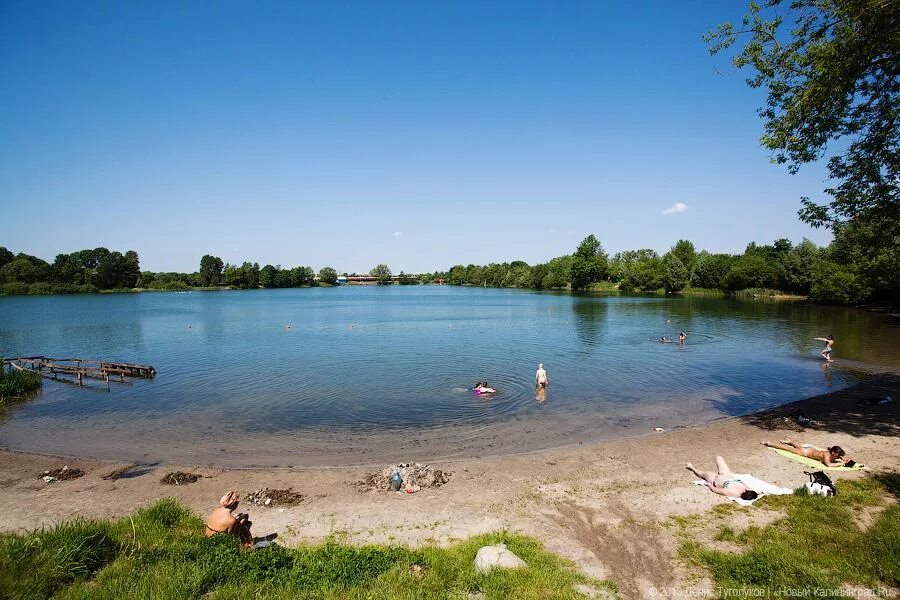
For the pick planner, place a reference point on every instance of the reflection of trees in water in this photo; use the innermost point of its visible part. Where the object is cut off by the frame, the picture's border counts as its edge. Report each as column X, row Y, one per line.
column 590, row 312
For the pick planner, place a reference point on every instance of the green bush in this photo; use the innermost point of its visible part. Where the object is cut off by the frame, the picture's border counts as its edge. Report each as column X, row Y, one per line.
column 41, row 288
column 14, row 288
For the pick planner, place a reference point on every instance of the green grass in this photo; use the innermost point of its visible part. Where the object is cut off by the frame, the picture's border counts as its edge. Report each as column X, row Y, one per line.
column 16, row 384
column 160, row 553
column 817, row 545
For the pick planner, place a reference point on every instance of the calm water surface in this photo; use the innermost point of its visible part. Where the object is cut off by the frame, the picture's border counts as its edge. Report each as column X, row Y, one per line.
column 367, row 374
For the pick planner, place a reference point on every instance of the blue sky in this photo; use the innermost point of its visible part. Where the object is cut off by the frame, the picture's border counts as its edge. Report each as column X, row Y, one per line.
column 347, row 134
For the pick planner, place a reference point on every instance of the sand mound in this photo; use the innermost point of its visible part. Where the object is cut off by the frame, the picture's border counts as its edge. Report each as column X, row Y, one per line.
column 414, row 475
column 267, row 497
column 179, row 478
column 62, row 474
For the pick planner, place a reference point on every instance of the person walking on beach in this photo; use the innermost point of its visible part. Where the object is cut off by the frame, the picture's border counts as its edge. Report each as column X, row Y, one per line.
column 829, row 344
column 540, row 377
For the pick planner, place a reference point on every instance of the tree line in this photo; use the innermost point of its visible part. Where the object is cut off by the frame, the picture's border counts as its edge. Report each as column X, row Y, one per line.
column 838, row 273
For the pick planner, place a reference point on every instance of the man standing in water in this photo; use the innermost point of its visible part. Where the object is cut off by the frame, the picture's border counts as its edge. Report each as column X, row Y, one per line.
column 540, row 377
column 829, row 344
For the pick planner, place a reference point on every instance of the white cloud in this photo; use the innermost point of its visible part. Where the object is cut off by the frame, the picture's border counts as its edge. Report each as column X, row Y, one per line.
column 678, row 207
column 398, row 233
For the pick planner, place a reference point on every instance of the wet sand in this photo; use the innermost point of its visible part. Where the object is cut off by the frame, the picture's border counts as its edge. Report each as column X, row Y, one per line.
column 606, row 506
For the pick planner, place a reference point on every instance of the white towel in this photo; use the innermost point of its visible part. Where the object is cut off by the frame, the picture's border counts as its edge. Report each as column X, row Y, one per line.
column 757, row 485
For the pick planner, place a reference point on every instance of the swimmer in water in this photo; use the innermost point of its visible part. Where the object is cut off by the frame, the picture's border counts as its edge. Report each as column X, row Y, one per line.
column 484, row 388
column 681, row 337
column 664, row 340
column 829, row 344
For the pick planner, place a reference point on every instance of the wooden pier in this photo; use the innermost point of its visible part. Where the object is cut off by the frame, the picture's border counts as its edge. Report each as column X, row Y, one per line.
column 76, row 371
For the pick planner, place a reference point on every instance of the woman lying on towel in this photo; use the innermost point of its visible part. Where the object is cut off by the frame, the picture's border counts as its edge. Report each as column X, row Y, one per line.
column 724, row 482
column 832, row 457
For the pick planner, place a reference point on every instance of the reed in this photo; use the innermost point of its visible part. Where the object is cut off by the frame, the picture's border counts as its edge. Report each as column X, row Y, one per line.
column 15, row 384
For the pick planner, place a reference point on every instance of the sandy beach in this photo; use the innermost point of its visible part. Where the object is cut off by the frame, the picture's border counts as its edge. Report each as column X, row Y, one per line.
column 606, row 506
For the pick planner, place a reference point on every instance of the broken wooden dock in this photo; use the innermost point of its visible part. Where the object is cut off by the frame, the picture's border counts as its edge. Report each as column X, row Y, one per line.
column 76, row 371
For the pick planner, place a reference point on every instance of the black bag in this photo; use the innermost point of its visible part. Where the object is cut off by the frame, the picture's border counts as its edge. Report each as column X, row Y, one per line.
column 822, row 479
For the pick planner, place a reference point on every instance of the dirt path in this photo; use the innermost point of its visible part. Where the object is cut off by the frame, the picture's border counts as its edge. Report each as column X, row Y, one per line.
column 607, row 507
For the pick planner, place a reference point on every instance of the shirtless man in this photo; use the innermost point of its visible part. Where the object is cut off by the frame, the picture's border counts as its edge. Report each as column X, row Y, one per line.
column 222, row 521
column 832, row 457
column 540, row 377
column 829, row 344
column 724, row 482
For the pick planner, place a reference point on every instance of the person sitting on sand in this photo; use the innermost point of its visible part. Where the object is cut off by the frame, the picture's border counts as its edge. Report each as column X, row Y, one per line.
column 724, row 482
column 222, row 521
column 832, row 457
column 829, row 344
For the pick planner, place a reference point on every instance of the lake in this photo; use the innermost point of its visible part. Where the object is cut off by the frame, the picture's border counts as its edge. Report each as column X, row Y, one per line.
column 359, row 375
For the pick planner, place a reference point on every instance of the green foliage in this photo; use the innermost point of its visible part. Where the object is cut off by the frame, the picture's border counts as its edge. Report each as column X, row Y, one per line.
column 817, row 544
column 589, row 263
column 328, row 275
column 835, row 284
column 831, row 77
column 685, row 252
column 382, row 273
column 711, row 270
column 5, row 256
column 675, row 275
column 211, row 268
column 16, row 384
column 639, row 270
column 160, row 553
column 750, row 271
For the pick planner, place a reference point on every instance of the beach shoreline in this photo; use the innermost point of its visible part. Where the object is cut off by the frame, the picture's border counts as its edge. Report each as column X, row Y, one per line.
column 603, row 505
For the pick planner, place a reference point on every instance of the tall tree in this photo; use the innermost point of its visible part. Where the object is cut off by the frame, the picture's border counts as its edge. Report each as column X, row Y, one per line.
column 211, row 270
column 589, row 263
column 328, row 275
column 685, row 252
column 833, row 83
column 382, row 273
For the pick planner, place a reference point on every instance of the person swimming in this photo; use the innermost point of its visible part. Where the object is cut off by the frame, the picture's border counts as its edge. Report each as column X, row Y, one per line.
column 681, row 337
column 665, row 340
column 482, row 387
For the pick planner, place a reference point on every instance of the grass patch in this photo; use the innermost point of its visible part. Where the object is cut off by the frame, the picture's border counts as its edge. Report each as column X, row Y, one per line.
column 15, row 384
column 817, row 545
column 160, row 552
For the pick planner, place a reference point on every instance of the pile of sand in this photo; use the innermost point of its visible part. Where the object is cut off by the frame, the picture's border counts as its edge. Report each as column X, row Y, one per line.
column 267, row 497
column 179, row 478
column 62, row 474
column 415, row 476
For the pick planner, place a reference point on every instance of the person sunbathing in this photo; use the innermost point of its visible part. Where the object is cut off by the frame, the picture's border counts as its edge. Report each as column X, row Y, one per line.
column 724, row 482
column 222, row 521
column 832, row 457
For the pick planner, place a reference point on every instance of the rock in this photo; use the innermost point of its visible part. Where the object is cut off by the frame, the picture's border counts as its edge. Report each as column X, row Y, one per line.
column 490, row 557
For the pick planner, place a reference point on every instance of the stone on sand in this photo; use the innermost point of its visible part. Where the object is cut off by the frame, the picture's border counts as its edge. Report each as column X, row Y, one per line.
column 490, row 557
